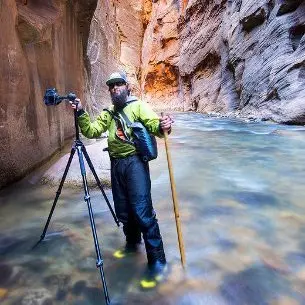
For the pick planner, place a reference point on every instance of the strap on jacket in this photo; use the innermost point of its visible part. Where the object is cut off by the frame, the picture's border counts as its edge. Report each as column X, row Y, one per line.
column 123, row 121
column 125, row 117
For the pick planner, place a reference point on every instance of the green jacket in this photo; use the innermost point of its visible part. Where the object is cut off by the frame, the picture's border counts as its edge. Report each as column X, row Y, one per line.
column 136, row 111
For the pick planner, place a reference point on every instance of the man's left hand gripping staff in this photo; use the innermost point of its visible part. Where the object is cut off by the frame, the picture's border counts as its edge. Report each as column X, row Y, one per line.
column 166, row 122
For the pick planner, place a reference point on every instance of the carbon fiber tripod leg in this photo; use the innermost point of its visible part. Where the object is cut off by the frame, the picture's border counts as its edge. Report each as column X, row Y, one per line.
column 99, row 261
column 57, row 196
column 99, row 183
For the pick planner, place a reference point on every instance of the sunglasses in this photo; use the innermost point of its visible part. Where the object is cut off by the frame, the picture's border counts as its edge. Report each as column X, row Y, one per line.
column 118, row 84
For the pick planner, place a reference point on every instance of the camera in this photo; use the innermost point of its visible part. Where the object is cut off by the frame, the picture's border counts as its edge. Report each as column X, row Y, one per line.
column 52, row 98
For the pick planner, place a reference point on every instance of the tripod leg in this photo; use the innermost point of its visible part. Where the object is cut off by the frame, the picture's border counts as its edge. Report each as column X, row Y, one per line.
column 99, row 184
column 99, row 261
column 57, row 196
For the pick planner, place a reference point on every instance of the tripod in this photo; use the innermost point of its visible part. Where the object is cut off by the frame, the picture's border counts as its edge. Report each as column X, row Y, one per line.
column 81, row 151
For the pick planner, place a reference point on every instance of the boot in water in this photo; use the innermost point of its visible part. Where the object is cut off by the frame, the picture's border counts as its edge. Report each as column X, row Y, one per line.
column 154, row 274
column 128, row 250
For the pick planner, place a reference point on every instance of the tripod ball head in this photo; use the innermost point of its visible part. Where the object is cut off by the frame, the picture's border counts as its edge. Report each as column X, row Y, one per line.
column 52, row 98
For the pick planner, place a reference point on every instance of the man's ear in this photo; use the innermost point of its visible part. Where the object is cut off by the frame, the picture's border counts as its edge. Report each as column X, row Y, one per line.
column 128, row 88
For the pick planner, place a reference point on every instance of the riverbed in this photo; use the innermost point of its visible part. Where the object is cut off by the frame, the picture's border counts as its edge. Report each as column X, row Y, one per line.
column 240, row 188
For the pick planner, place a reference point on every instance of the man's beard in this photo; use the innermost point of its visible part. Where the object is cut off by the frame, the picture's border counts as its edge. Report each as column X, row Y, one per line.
column 119, row 99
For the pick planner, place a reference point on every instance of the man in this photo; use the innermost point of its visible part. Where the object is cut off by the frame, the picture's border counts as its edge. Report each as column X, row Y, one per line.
column 130, row 178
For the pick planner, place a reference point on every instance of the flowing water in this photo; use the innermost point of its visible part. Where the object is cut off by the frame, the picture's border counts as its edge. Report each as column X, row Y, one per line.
column 240, row 189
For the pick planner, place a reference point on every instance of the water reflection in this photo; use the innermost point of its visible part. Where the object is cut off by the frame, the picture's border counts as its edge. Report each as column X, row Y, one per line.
column 240, row 189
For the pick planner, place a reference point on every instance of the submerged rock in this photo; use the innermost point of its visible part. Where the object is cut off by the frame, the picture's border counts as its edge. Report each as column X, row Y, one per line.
column 79, row 287
column 254, row 286
column 39, row 296
column 6, row 272
column 197, row 298
column 10, row 244
column 217, row 211
column 256, row 199
column 296, row 260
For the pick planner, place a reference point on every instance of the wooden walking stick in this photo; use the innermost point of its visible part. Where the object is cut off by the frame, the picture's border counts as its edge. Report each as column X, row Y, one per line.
column 175, row 201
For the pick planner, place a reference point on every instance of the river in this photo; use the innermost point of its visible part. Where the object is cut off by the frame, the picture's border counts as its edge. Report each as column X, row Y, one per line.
column 240, row 188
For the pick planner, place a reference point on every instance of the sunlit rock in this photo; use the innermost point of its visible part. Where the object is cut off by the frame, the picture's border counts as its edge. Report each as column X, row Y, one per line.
column 292, row 218
column 3, row 293
column 195, row 298
column 99, row 158
column 37, row 296
column 285, row 300
column 160, row 51
column 301, row 274
column 271, row 259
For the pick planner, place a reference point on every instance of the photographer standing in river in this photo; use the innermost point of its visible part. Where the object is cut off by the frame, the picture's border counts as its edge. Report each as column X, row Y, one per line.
column 130, row 177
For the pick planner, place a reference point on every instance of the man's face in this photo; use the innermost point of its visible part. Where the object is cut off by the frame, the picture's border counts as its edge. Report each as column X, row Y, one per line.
column 119, row 94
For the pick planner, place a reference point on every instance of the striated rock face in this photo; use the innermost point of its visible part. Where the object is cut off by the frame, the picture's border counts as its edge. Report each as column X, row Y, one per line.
column 201, row 56
column 267, row 58
column 236, row 56
column 41, row 45
column 115, row 43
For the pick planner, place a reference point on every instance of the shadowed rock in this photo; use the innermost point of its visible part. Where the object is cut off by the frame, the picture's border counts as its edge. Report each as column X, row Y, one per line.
column 9, row 244
column 288, row 6
column 254, row 20
column 79, row 287
column 94, row 295
column 225, row 244
column 256, row 199
column 6, row 273
column 253, row 286
column 217, row 211
column 296, row 260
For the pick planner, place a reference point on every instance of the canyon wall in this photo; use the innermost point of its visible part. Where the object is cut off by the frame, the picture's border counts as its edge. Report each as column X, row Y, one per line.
column 234, row 56
column 42, row 43
column 230, row 57
column 70, row 45
column 115, row 44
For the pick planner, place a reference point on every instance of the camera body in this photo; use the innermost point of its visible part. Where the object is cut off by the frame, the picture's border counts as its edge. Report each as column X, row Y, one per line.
column 52, row 98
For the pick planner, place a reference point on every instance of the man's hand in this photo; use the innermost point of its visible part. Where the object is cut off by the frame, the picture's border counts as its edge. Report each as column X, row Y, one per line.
column 76, row 104
column 166, row 123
